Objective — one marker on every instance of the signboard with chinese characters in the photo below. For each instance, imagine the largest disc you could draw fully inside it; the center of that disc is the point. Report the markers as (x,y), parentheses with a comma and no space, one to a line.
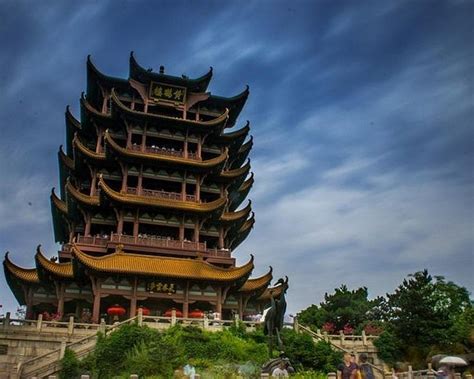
(159,287)
(160,91)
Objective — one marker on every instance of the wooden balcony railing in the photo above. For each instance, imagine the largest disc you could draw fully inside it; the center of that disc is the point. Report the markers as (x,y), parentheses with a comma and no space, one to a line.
(153,241)
(160,194)
(164,151)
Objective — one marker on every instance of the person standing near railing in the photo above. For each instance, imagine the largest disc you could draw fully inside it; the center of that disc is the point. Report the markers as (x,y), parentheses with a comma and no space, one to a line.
(347,369)
(365,368)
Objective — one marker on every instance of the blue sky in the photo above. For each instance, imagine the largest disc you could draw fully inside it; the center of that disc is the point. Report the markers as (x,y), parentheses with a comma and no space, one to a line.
(361,114)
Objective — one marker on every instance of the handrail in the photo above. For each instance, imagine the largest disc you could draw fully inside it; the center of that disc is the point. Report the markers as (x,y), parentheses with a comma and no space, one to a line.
(320,337)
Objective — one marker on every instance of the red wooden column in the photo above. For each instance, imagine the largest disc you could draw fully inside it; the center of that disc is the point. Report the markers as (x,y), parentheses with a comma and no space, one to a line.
(196,231)
(120,222)
(96,304)
(124,178)
(186,301)
(133,300)
(197,193)
(60,308)
(140,181)
(87,228)
(219,302)
(221,238)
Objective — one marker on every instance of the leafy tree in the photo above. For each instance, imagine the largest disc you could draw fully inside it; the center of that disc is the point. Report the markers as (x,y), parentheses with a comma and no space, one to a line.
(422,313)
(343,307)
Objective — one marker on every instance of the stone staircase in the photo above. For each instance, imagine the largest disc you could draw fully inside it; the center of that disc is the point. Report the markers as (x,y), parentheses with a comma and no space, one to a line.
(356,344)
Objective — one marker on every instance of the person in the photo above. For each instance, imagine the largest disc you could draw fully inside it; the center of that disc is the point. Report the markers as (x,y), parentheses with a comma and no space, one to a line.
(189,371)
(365,368)
(280,371)
(347,369)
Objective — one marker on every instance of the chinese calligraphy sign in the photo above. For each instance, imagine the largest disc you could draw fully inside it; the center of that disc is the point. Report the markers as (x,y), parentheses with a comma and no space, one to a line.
(159,91)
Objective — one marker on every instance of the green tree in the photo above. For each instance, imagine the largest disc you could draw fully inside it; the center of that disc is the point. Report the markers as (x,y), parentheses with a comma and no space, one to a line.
(422,313)
(343,307)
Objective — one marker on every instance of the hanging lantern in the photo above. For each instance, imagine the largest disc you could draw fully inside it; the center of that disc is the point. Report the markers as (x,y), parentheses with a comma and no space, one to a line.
(116,310)
(169,311)
(145,311)
(196,313)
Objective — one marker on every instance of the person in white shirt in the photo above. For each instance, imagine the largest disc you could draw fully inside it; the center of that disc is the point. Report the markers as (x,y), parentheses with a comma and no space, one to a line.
(280,371)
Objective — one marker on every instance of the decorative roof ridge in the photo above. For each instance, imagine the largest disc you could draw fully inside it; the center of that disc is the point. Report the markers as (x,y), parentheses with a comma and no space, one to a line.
(232,216)
(248,223)
(86,151)
(71,119)
(87,199)
(26,274)
(204,79)
(247,145)
(271,291)
(216,121)
(163,203)
(60,204)
(60,269)
(93,69)
(88,106)
(146,269)
(254,284)
(237,133)
(68,161)
(240,96)
(237,171)
(159,157)
(247,183)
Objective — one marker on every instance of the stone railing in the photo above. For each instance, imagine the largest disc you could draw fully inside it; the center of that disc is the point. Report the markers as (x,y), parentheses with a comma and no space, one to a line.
(164,151)
(160,194)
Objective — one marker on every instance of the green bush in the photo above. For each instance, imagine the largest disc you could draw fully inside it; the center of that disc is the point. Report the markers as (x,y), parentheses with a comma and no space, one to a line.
(70,366)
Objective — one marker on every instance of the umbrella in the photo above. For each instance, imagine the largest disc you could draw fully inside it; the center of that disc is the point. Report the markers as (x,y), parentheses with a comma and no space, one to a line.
(453,361)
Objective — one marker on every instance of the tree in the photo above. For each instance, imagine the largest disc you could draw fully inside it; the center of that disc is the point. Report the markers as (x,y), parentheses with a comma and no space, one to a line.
(343,307)
(422,312)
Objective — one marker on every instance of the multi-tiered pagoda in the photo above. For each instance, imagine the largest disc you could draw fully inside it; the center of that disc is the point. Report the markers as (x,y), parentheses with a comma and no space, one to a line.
(149,208)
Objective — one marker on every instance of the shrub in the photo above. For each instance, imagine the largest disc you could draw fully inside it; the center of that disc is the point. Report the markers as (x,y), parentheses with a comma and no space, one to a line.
(70,366)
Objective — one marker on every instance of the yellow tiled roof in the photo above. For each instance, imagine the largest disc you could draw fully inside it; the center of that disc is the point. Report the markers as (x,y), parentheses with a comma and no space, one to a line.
(162,203)
(232,216)
(166,158)
(63,270)
(236,172)
(61,205)
(69,163)
(216,121)
(83,198)
(24,274)
(137,264)
(247,183)
(257,283)
(87,152)
(276,292)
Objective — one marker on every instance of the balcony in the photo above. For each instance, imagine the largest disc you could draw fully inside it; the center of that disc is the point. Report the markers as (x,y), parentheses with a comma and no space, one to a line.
(160,194)
(143,240)
(164,151)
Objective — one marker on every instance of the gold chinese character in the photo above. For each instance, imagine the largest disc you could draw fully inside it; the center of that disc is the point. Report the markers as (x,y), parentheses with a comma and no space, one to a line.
(168,93)
(178,94)
(158,92)
(158,287)
(165,288)
(171,288)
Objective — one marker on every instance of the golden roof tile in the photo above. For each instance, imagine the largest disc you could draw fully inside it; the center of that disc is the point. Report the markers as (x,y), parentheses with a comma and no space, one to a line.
(233,216)
(24,274)
(166,158)
(136,264)
(216,121)
(63,270)
(87,152)
(58,203)
(83,198)
(68,162)
(236,172)
(162,203)
(256,284)
(275,291)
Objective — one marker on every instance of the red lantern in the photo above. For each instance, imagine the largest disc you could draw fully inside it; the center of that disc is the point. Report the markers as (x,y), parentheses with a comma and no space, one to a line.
(196,313)
(116,310)
(169,311)
(145,311)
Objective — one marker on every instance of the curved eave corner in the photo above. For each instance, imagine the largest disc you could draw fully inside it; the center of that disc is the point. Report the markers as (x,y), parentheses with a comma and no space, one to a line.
(143,75)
